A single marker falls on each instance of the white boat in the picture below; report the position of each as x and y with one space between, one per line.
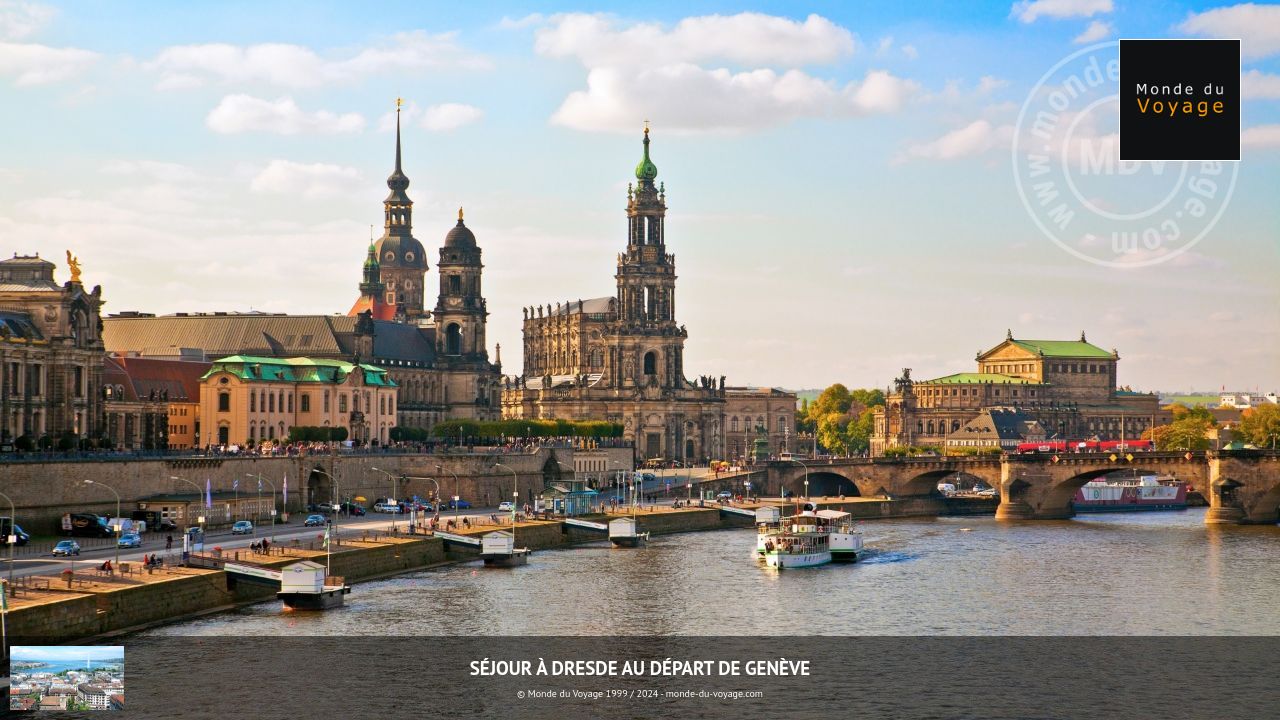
308 586
767 517
624 532
498 549
812 537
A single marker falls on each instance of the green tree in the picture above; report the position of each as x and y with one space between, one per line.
1187 433
1261 425
835 399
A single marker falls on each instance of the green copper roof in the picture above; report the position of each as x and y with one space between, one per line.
646 170
1063 348
995 378
298 369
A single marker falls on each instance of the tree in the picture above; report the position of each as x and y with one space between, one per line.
1188 433
835 399
1261 425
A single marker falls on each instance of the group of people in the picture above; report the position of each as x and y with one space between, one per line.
261 547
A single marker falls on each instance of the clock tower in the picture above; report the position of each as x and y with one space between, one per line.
460 308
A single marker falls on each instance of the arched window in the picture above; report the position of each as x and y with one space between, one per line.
733 424
224 402
929 428
453 339
919 427
651 363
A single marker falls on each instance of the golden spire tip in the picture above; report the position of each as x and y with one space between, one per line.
459 212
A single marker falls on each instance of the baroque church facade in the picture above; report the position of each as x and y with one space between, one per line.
437 357
621 358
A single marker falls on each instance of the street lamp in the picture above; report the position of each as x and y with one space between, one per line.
515 497
273 495
433 480
442 468
199 494
806 476
11 538
336 515
392 496
118 518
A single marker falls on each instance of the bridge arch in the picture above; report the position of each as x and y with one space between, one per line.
829 484
926 483
1062 493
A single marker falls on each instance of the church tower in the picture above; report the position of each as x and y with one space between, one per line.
460 308
372 290
402 260
646 279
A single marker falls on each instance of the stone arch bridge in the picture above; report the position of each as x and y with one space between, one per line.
1241 486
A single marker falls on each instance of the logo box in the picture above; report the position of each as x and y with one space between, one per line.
1179 99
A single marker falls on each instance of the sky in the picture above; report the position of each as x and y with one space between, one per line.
67 653
842 198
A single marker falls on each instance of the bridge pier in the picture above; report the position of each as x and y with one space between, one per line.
1014 511
1224 515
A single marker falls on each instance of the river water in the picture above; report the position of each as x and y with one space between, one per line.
1119 574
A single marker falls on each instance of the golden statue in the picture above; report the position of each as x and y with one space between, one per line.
74 263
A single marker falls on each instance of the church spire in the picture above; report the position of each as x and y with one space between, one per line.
646 171
372 284
398 207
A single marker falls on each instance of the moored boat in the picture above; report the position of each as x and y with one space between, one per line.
307 586
498 549
624 532
1149 492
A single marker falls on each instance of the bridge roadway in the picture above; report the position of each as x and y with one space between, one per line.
1241 486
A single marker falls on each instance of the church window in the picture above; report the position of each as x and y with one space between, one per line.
391 298
224 402
455 285
389 257
453 339
651 363
408 257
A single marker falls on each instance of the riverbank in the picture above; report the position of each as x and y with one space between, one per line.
94 607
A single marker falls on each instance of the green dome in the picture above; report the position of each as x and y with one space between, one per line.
371 260
646 170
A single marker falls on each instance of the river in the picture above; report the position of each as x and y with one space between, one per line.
1120 574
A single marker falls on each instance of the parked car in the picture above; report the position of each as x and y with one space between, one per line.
506 506
724 495
242 527
426 507
20 535
67 548
315 521
459 505
130 540
386 508
354 509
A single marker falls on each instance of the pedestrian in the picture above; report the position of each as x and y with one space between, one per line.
266 546
168 542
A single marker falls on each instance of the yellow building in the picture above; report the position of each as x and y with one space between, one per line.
248 400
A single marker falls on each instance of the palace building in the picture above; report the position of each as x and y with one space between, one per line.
50 352
437 358
1064 389
621 358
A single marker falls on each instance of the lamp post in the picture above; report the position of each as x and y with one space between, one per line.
392 496
433 480
336 515
442 468
11 537
118 518
515 498
199 494
806 476
261 479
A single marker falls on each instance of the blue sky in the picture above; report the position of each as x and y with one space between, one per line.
842 203
67 653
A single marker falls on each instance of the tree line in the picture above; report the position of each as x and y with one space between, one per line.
842 419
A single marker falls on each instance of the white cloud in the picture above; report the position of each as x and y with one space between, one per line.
23 19
1030 11
1257 26
687 98
242 113
316 180
973 139
1256 85
1097 30
510 23
450 116
183 66
1261 136
884 46
33 64
910 51
746 38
